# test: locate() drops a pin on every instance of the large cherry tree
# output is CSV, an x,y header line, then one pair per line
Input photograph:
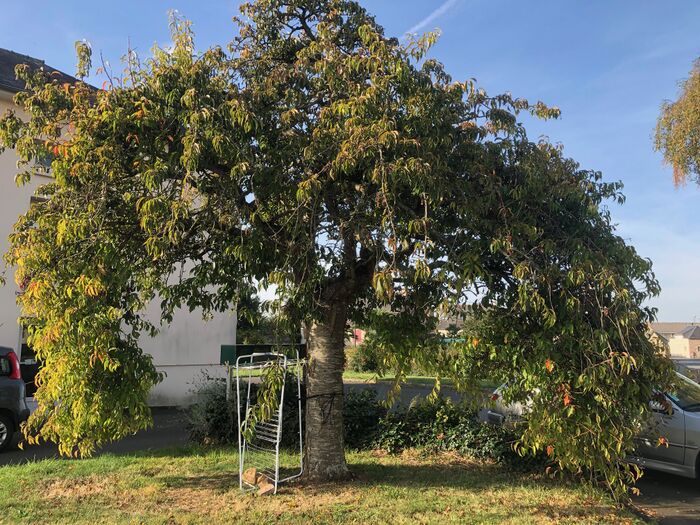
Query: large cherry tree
x,y
349,170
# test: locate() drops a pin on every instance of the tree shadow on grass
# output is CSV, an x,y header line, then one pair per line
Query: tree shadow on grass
x,y
408,478
411,474
495,485
431,476
365,477
387,470
492,484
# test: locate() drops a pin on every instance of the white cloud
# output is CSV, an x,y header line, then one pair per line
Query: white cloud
x,y
440,11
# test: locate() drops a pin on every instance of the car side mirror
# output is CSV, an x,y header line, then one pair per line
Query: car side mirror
x,y
657,406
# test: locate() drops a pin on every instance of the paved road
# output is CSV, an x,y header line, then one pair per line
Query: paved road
x,y
674,500
168,431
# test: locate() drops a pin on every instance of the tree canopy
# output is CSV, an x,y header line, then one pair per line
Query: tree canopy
x,y
678,130
348,169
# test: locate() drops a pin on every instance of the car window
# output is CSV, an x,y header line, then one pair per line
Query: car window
x,y
5,367
692,372
686,394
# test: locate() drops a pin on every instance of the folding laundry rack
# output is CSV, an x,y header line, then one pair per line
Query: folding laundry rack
x,y
262,450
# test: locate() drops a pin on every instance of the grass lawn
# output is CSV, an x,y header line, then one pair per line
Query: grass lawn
x,y
194,485
371,377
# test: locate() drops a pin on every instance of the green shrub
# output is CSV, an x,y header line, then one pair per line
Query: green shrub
x,y
433,426
213,421
444,426
365,358
362,415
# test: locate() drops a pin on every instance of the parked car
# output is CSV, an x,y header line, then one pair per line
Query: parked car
x,y
29,367
13,403
677,420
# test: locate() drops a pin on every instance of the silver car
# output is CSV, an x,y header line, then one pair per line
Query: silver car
x,y
670,441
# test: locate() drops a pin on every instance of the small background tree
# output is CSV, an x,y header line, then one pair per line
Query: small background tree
x,y
678,129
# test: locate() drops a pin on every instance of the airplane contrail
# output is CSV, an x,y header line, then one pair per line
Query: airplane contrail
x,y
444,8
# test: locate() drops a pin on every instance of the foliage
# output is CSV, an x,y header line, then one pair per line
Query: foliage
x,y
250,325
440,425
265,330
212,420
258,326
432,425
453,330
349,170
577,371
678,129
362,415
374,355
267,398
365,358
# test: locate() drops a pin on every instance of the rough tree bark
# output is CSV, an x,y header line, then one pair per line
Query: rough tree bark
x,y
325,447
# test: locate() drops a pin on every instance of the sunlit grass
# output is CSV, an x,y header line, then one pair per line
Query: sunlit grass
x,y
194,485
371,377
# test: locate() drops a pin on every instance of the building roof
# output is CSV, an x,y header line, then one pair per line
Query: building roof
x,y
669,328
692,332
10,59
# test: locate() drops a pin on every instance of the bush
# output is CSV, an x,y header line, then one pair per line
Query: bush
x,y
213,421
362,416
365,358
444,426
429,425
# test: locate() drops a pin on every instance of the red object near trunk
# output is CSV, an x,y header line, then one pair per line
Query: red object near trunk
x,y
14,362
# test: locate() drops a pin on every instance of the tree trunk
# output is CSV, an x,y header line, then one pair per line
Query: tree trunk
x,y
325,444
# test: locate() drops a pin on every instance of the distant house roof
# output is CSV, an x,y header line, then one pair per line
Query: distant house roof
x,y
669,328
692,332
682,330
10,59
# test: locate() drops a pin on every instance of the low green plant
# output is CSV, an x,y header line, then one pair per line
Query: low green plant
x,y
431,425
212,420
362,417
365,358
441,425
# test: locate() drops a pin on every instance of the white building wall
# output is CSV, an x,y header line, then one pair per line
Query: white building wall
x,y
186,350
13,202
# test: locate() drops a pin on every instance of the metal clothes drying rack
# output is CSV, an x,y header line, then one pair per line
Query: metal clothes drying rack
x,y
262,451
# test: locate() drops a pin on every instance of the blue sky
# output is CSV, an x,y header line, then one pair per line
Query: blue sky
x,y
606,64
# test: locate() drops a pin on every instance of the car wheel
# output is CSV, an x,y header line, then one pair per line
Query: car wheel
x,y
7,431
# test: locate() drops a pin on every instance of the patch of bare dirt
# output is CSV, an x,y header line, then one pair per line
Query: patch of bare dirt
x,y
78,488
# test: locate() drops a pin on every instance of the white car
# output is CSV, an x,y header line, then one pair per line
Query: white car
x,y
680,427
